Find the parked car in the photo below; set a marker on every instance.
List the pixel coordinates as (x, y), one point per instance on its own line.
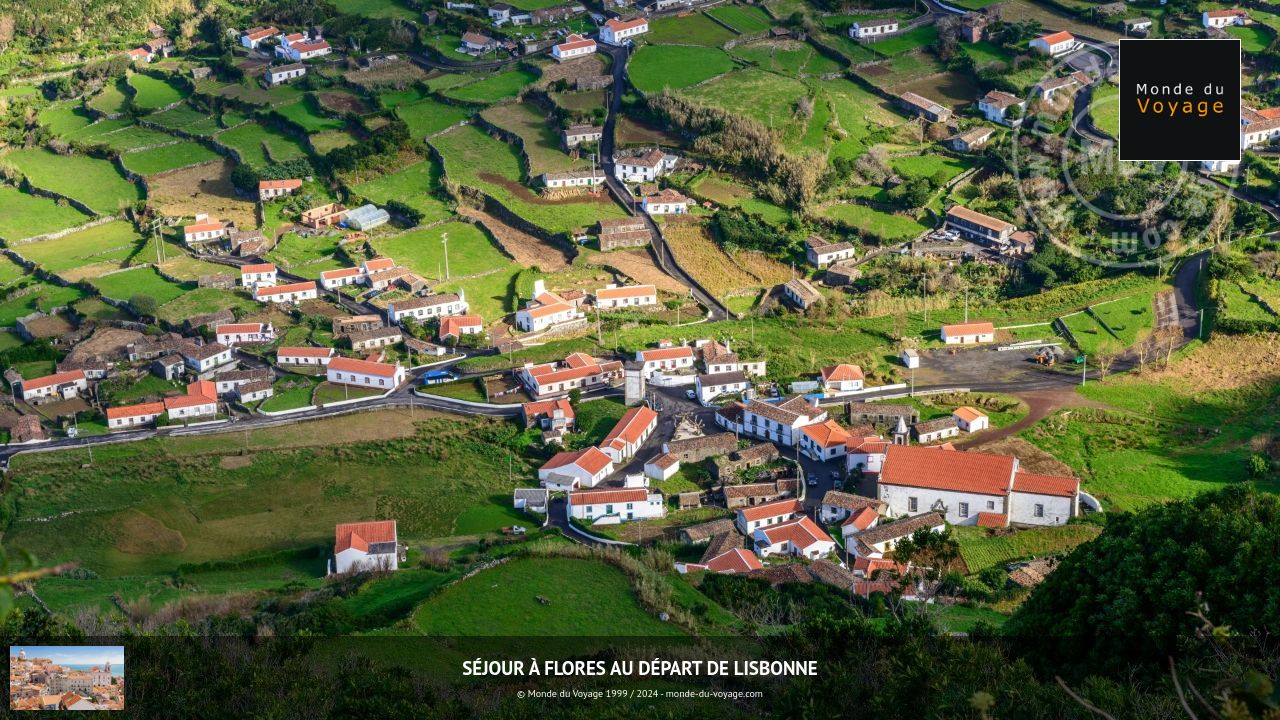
(813, 481)
(691, 394)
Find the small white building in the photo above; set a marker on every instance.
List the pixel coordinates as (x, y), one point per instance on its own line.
(365, 547)
(801, 293)
(258, 275)
(280, 74)
(995, 107)
(574, 46)
(232, 334)
(252, 37)
(1055, 44)
(934, 430)
(573, 178)
(575, 469)
(334, 279)
(620, 32)
(298, 47)
(364, 373)
(457, 326)
(780, 422)
(665, 359)
(614, 297)
(710, 387)
(201, 359)
(910, 358)
(872, 29)
(127, 416)
(882, 538)
(864, 455)
(1224, 18)
(749, 519)
(662, 466)
(842, 378)
(304, 356)
(824, 441)
(539, 317)
(971, 419)
(201, 401)
(646, 167)
(665, 202)
(63, 385)
(968, 333)
(272, 189)
(421, 308)
(206, 230)
(800, 537)
(611, 506)
(291, 293)
(821, 253)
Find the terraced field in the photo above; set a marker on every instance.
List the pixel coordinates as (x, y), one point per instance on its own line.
(96, 183)
(672, 67)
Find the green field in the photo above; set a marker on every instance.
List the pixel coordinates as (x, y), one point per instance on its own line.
(1253, 38)
(306, 115)
(470, 250)
(857, 112)
(24, 216)
(65, 118)
(110, 245)
(724, 191)
(1127, 318)
(541, 139)
(324, 142)
(260, 145)
(655, 67)
(415, 185)
(1104, 108)
(167, 157)
(45, 299)
(789, 57)
(152, 93)
(200, 301)
(928, 166)
(131, 137)
(392, 99)
(375, 9)
(143, 280)
(773, 103)
(689, 30)
(878, 224)
(186, 118)
(745, 19)
(96, 183)
(504, 601)
(493, 88)
(307, 256)
(430, 116)
(111, 100)
(981, 549)
(910, 40)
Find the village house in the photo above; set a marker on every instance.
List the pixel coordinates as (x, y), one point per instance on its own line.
(710, 386)
(629, 434)
(841, 276)
(645, 167)
(864, 451)
(375, 338)
(365, 373)
(1048, 89)
(140, 55)
(718, 357)
(573, 178)
(971, 139)
(421, 308)
(574, 46)
(272, 189)
(242, 333)
(545, 310)
(201, 400)
(969, 488)
(839, 506)
(1257, 127)
(579, 371)
(1138, 25)
(572, 470)
(664, 359)
(252, 37)
(291, 293)
(455, 327)
(968, 333)
(225, 383)
(623, 232)
(800, 537)
(935, 430)
(977, 226)
(354, 323)
(924, 107)
(474, 43)
(534, 500)
(619, 32)
(334, 279)
(995, 107)
(971, 419)
(780, 422)
(201, 359)
(749, 519)
(254, 391)
(821, 253)
(910, 358)
(842, 378)
(701, 447)
(875, 541)
(614, 297)
(665, 202)
(298, 47)
(58, 386)
(499, 13)
(801, 293)
(383, 279)
(169, 367)
(754, 494)
(873, 29)
(549, 415)
(366, 547)
(1055, 44)
(732, 561)
(611, 506)
(304, 356)
(322, 216)
(205, 230)
(576, 135)
(1224, 18)
(824, 441)
(127, 416)
(662, 466)
(880, 413)
(258, 275)
(280, 74)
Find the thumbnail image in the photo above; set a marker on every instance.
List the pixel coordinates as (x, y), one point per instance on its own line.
(66, 677)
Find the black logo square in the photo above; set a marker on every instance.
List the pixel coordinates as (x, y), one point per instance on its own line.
(1180, 100)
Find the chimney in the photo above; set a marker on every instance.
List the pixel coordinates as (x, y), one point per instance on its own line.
(539, 287)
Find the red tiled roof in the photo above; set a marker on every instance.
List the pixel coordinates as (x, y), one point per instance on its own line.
(124, 411)
(453, 324)
(285, 289)
(258, 268)
(841, 373)
(203, 227)
(664, 460)
(861, 519)
(364, 367)
(968, 414)
(928, 467)
(379, 263)
(626, 291)
(54, 379)
(259, 33)
(973, 328)
(1026, 482)
(304, 352)
(341, 273)
(992, 520)
(1060, 36)
(601, 497)
(632, 425)
(309, 47)
(869, 566)
(672, 353)
(1226, 13)
(545, 407)
(801, 532)
(593, 460)
(826, 434)
(575, 42)
(982, 219)
(734, 561)
(773, 509)
(279, 184)
(360, 535)
(239, 328)
(617, 25)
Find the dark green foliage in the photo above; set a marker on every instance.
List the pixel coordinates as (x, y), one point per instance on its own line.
(738, 230)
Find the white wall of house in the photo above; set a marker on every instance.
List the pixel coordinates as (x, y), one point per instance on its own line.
(365, 379)
(961, 508)
(355, 560)
(1033, 509)
(653, 507)
(131, 421)
(869, 462)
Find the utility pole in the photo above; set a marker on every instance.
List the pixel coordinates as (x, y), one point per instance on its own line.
(444, 240)
(1084, 369)
(1200, 326)
(966, 305)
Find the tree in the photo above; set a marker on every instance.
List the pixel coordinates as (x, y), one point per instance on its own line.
(929, 556)
(575, 397)
(143, 304)
(6, 31)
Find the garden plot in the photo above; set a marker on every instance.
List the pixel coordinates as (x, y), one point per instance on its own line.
(130, 137)
(187, 119)
(695, 29)
(949, 88)
(307, 256)
(24, 216)
(45, 298)
(84, 253)
(430, 116)
(259, 145)
(151, 93)
(745, 19)
(540, 139)
(1025, 10)
(493, 88)
(672, 67)
(416, 185)
(580, 102)
(94, 182)
(201, 189)
(142, 280)
(722, 274)
(167, 157)
(471, 252)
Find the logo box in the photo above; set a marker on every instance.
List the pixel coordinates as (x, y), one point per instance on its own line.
(1161, 77)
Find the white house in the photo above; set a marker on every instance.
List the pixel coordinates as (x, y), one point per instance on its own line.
(662, 359)
(456, 326)
(499, 13)
(800, 537)
(629, 434)
(258, 275)
(614, 297)
(780, 422)
(573, 178)
(1220, 166)
(968, 333)
(606, 506)
(291, 293)
(841, 378)
(239, 333)
(303, 48)
(935, 430)
(662, 466)
(710, 387)
(1257, 127)
(201, 400)
(872, 29)
(665, 202)
(313, 356)
(995, 106)
(254, 391)
(572, 470)
(278, 74)
(1055, 44)
(421, 308)
(910, 358)
(579, 371)
(749, 519)
(718, 357)
(644, 168)
(63, 385)
(252, 37)
(203, 358)
(821, 253)
(206, 230)
(864, 453)
(801, 293)
(574, 46)
(366, 373)
(971, 419)
(969, 488)
(545, 310)
(824, 441)
(366, 546)
(334, 279)
(126, 416)
(881, 538)
(838, 506)
(1224, 18)
(272, 189)
(619, 32)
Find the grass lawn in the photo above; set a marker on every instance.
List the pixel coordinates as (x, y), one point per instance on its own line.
(392, 99)
(168, 157)
(23, 215)
(128, 137)
(10, 271)
(187, 118)
(295, 251)
(493, 88)
(490, 518)
(117, 392)
(415, 185)
(885, 226)
(152, 93)
(430, 116)
(306, 115)
(325, 142)
(110, 244)
(205, 300)
(928, 165)
(981, 548)
(689, 30)
(1253, 38)
(504, 601)
(540, 138)
(1105, 109)
(45, 299)
(773, 103)
(329, 393)
(376, 9)
(142, 280)
(459, 389)
(1128, 317)
(470, 250)
(595, 418)
(961, 618)
(857, 112)
(96, 183)
(291, 392)
(260, 145)
(655, 67)
(65, 118)
(745, 19)
(910, 40)
(790, 57)
(725, 191)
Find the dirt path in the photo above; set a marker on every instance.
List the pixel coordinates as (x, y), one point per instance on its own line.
(1041, 404)
(527, 250)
